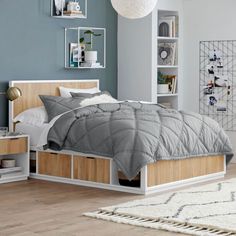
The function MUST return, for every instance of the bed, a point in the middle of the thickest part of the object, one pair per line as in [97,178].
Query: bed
[91,169]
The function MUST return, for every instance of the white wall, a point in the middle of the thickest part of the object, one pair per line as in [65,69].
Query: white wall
[204,20]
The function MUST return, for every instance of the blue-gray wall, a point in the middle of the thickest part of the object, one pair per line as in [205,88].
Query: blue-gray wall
[32,44]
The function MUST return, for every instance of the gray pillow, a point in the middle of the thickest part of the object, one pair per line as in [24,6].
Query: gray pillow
[58,105]
[88,95]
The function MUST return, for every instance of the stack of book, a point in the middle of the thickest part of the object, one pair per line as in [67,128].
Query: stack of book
[92,65]
[10,172]
[172,22]
[72,13]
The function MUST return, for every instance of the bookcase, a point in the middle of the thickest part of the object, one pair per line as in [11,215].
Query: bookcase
[139,65]
[167,58]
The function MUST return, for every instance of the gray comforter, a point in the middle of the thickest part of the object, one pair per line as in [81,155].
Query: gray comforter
[135,134]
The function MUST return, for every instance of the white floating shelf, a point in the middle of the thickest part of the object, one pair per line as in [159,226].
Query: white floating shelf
[73,36]
[168,95]
[61,15]
[79,68]
[71,17]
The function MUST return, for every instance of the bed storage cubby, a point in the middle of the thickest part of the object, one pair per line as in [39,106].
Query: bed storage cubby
[54,164]
[92,169]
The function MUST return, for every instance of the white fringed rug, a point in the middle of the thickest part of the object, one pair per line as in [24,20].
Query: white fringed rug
[209,210]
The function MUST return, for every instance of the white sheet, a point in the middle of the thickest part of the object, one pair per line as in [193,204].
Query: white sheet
[35,132]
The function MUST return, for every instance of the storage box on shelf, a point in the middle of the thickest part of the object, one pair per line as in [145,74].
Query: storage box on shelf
[85,48]
[15,148]
[67,9]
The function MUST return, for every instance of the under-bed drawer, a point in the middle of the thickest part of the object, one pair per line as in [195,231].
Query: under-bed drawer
[92,169]
[54,164]
[13,146]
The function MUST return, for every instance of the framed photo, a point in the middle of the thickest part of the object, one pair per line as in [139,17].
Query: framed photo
[167,54]
[76,54]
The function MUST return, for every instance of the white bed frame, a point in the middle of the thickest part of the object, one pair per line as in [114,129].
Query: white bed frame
[152,179]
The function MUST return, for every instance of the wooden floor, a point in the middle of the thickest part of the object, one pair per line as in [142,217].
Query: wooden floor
[43,208]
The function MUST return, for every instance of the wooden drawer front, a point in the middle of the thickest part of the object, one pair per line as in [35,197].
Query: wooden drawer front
[54,164]
[13,146]
[92,169]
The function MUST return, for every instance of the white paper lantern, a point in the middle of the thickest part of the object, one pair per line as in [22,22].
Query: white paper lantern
[134,9]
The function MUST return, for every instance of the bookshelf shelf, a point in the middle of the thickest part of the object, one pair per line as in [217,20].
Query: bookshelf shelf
[167,38]
[168,95]
[167,67]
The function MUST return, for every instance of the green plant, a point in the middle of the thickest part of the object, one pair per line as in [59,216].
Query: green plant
[161,78]
[91,35]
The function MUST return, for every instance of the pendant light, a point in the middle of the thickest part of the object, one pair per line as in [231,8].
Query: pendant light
[134,9]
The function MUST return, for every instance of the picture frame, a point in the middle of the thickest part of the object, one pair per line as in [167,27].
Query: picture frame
[167,54]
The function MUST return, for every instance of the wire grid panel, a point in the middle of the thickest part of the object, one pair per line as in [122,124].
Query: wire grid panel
[218,82]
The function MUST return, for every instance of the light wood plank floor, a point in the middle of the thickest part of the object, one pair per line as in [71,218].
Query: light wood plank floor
[43,208]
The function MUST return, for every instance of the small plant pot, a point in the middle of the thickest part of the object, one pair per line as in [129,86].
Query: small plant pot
[91,56]
[163,88]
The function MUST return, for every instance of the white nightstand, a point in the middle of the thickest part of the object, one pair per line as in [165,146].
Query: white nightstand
[17,148]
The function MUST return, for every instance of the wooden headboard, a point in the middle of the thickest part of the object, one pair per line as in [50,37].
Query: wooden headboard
[33,88]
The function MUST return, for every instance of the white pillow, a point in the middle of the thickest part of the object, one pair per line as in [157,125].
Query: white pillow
[34,116]
[65,92]
[104,98]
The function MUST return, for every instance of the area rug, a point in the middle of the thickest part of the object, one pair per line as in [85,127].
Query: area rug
[208,210]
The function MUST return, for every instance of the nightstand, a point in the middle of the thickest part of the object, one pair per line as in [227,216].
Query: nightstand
[17,148]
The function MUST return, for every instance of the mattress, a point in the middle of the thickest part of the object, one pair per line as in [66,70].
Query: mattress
[35,132]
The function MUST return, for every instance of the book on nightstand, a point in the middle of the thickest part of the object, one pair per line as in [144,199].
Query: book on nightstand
[10,172]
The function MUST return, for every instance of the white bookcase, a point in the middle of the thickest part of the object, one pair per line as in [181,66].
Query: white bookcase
[138,65]
[168,98]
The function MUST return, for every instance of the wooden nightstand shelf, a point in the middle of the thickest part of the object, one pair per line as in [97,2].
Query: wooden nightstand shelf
[15,147]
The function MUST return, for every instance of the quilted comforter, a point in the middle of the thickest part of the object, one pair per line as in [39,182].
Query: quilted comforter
[135,134]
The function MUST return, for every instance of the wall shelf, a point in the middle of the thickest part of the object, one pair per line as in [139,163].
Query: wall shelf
[60,12]
[75,51]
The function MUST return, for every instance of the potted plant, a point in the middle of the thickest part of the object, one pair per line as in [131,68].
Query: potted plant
[90,54]
[163,86]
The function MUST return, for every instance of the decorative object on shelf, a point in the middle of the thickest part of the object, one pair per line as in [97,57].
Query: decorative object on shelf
[90,55]
[168,26]
[82,53]
[8,163]
[12,93]
[3,131]
[73,6]
[217,82]
[59,5]
[134,9]
[167,54]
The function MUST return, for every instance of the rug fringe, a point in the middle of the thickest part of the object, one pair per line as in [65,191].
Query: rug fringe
[161,224]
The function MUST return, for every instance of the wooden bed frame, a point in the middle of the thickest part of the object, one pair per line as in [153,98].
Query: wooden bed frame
[101,172]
